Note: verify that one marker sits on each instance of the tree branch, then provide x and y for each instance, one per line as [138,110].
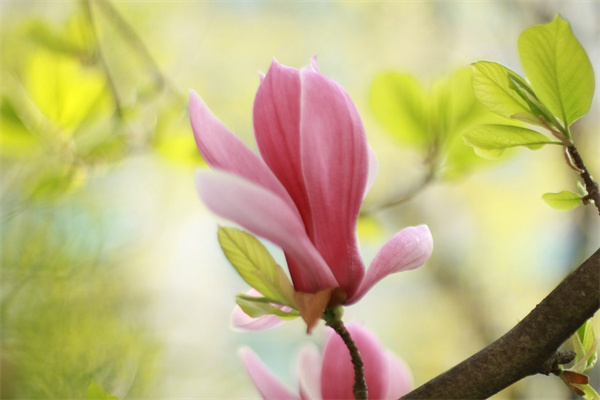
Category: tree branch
[593,193]
[529,347]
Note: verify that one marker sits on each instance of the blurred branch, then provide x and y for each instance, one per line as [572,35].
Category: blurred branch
[529,347]
[137,45]
[100,53]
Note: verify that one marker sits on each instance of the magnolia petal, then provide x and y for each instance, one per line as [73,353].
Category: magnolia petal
[222,149]
[276,118]
[243,322]
[265,214]
[335,168]
[309,373]
[268,385]
[400,378]
[408,249]
[337,365]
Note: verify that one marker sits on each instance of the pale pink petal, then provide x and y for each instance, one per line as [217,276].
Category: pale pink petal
[408,249]
[243,322]
[400,378]
[265,214]
[222,149]
[313,63]
[277,129]
[337,375]
[373,169]
[268,385]
[309,373]
[335,168]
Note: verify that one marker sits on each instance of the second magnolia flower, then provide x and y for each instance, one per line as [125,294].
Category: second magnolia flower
[305,190]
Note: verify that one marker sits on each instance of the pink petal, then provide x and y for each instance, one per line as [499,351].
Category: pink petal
[309,373]
[337,375]
[335,167]
[265,214]
[399,377]
[222,149]
[408,249]
[277,129]
[267,384]
[243,322]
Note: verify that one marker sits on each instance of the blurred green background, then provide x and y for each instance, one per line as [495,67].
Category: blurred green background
[111,271]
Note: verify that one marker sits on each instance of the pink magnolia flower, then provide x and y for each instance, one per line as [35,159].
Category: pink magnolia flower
[304,191]
[332,376]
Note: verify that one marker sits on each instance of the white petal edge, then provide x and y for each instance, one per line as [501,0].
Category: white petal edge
[309,373]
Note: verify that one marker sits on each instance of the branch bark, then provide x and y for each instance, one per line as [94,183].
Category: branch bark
[529,347]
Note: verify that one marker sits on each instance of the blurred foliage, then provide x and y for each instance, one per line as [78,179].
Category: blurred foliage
[71,325]
[431,120]
[68,315]
[62,112]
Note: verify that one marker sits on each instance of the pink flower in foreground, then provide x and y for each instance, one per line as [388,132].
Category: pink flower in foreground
[305,190]
[332,376]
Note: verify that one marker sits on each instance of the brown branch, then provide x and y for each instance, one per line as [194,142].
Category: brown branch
[590,185]
[529,347]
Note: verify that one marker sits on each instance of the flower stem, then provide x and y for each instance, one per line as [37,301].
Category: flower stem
[591,186]
[333,319]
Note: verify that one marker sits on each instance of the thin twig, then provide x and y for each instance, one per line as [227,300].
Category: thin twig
[590,185]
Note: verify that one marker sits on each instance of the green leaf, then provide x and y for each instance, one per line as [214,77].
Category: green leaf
[585,343]
[399,101]
[525,91]
[16,140]
[589,392]
[492,88]
[66,92]
[490,141]
[558,68]
[564,200]
[255,265]
[97,392]
[259,306]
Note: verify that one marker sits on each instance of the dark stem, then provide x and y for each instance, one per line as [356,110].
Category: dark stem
[529,348]
[590,185]
[333,320]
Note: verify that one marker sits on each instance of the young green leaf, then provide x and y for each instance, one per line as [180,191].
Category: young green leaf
[490,141]
[585,343]
[96,392]
[493,89]
[564,200]
[255,265]
[558,68]
[589,393]
[256,307]
[66,92]
[400,102]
